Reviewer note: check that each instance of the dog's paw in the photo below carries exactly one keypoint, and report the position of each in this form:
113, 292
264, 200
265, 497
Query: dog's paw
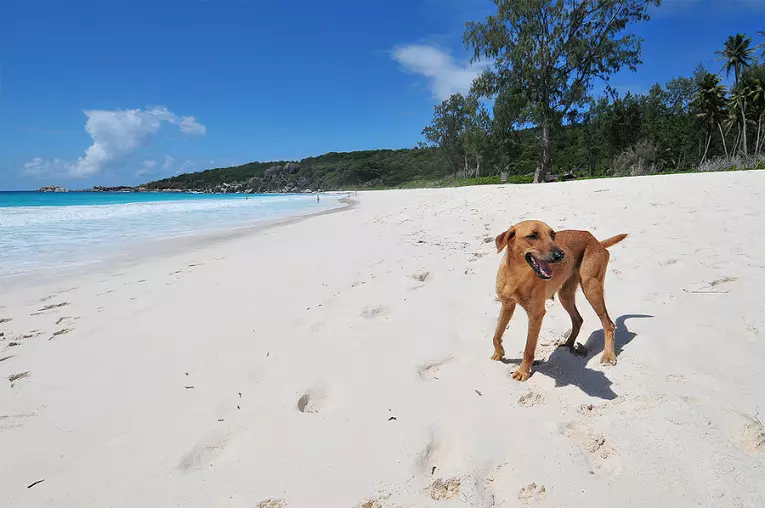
607, 359
521, 375
498, 355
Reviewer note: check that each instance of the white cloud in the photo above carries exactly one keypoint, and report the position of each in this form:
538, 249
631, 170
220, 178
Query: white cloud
147, 168
116, 135
169, 161
445, 76
40, 168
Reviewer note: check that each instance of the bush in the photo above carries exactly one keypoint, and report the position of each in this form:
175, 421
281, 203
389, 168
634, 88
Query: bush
733, 163
638, 160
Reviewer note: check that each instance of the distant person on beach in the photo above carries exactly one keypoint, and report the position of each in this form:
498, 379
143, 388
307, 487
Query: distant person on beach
317, 198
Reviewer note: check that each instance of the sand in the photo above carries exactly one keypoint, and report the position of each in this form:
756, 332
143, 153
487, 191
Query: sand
343, 360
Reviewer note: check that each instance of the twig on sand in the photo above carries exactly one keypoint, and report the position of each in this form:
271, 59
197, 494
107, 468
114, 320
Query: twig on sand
35, 483
702, 292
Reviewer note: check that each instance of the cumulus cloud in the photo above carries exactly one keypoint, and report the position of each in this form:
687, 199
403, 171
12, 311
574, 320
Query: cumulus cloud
445, 76
116, 135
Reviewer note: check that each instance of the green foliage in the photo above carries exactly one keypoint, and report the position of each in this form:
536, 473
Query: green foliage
549, 52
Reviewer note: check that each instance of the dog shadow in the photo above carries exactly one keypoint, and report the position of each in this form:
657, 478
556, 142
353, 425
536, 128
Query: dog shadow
569, 369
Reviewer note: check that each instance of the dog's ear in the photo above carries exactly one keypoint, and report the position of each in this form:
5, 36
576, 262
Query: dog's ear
502, 240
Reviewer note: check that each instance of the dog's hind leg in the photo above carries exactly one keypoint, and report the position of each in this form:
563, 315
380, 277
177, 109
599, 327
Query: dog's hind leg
593, 274
567, 297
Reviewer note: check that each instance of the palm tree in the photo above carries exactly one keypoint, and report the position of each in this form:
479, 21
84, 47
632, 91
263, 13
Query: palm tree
757, 103
737, 55
761, 45
710, 104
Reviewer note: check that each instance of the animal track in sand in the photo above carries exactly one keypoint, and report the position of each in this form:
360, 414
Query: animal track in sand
312, 401
371, 312
50, 307
421, 276
751, 436
17, 377
531, 399
532, 492
599, 455
374, 503
272, 503
430, 370
443, 490
30, 335
204, 453
14, 421
63, 331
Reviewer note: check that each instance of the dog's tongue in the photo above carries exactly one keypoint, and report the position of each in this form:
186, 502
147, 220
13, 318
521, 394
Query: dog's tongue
544, 267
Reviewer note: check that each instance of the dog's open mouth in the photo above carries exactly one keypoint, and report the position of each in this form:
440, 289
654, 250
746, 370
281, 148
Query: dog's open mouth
541, 268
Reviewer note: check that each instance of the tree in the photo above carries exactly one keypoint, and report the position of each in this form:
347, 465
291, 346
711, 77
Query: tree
551, 51
737, 55
710, 103
753, 86
456, 121
447, 130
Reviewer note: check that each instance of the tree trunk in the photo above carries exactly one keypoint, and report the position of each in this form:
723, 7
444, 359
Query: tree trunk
722, 136
743, 121
709, 140
477, 167
544, 168
757, 140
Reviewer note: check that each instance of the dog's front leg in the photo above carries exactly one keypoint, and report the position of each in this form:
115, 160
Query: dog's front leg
535, 324
504, 318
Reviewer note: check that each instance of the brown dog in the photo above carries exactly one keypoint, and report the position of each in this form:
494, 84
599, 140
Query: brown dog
540, 263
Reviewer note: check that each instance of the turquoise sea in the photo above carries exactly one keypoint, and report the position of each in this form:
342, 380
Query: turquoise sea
52, 230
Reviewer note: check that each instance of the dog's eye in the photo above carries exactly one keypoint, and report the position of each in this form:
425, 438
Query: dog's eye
533, 236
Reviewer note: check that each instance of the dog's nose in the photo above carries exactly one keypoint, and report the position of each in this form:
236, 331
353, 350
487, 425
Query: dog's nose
558, 255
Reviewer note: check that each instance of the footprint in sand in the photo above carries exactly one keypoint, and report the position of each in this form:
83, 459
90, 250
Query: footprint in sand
532, 492
422, 276
63, 331
50, 307
443, 490
312, 401
377, 502
676, 378
531, 399
272, 503
14, 421
745, 431
371, 312
599, 455
205, 453
430, 370
29, 335
14, 378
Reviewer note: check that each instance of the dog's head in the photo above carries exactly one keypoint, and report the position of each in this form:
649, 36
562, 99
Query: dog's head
534, 241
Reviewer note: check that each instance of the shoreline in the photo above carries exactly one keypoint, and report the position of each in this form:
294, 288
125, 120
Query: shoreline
344, 361
155, 248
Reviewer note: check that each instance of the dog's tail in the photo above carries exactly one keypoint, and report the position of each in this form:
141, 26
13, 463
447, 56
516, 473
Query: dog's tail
612, 241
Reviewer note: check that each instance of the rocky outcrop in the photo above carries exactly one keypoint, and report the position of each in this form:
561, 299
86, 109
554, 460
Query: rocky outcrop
52, 188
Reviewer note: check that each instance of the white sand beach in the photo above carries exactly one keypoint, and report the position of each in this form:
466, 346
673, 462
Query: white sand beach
343, 361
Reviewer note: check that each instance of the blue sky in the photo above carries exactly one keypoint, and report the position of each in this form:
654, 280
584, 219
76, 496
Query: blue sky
107, 92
